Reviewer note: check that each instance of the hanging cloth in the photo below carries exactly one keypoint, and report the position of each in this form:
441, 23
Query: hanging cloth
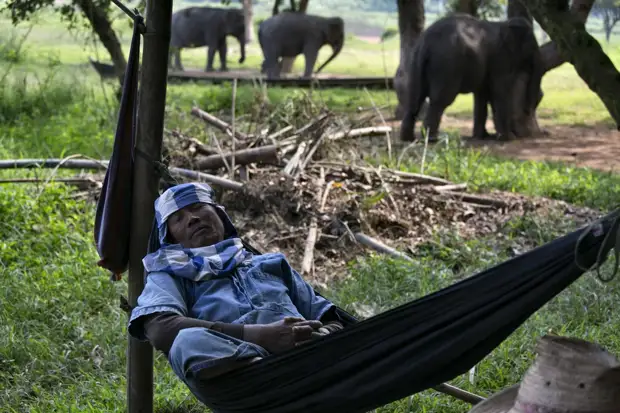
113, 215
417, 345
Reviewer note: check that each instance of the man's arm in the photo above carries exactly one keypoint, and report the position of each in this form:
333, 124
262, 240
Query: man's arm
311, 305
162, 312
162, 328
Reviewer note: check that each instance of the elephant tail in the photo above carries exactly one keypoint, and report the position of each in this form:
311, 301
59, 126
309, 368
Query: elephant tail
417, 91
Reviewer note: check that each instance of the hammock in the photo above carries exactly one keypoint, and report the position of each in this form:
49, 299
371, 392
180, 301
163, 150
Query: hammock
376, 361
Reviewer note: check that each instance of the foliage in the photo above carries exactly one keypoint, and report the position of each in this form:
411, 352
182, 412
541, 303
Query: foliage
388, 34
22, 10
487, 9
579, 186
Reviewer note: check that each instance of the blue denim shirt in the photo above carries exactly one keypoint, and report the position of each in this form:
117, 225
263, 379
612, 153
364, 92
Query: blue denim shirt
264, 291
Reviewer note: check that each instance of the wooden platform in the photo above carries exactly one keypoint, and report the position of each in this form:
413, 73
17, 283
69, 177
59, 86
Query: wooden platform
325, 81
248, 76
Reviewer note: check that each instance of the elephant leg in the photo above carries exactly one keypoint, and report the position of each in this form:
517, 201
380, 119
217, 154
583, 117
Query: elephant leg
442, 91
222, 51
502, 96
480, 115
311, 53
177, 59
210, 58
433, 119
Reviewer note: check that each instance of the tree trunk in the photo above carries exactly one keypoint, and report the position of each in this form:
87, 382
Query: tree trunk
286, 66
468, 7
100, 23
567, 31
249, 20
580, 9
607, 31
410, 26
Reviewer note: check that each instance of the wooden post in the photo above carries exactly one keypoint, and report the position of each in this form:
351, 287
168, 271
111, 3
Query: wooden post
152, 101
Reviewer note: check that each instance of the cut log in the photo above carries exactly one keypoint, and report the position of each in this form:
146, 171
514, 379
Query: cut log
218, 123
262, 154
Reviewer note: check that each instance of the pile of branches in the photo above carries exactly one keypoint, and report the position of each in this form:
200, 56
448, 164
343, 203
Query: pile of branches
289, 190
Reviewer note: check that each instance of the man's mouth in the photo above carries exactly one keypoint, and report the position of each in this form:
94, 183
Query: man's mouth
199, 230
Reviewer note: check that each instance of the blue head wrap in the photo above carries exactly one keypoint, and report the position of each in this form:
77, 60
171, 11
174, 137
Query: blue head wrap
182, 195
194, 263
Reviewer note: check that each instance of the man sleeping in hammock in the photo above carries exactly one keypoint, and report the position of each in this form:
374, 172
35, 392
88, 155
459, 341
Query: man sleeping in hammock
212, 306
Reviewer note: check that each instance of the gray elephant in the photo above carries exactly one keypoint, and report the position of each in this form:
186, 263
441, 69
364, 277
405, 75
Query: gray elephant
289, 34
462, 54
206, 26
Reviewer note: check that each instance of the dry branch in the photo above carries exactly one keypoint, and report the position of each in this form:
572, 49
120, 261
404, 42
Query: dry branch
355, 133
476, 199
379, 246
419, 178
39, 180
459, 393
53, 163
193, 144
306, 264
224, 183
453, 187
261, 154
295, 159
218, 123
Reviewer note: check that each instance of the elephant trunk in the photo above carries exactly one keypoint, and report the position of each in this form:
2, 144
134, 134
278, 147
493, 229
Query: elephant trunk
241, 39
336, 50
534, 92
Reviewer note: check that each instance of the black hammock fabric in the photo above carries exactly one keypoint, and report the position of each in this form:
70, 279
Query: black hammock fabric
417, 345
373, 362
113, 215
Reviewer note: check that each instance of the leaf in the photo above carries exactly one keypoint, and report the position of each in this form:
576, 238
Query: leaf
371, 201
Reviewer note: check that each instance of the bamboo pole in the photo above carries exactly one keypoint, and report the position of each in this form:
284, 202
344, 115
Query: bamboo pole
153, 82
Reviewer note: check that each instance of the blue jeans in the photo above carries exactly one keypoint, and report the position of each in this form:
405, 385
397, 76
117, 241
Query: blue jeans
197, 348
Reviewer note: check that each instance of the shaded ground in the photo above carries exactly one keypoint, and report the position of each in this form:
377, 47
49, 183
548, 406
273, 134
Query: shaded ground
595, 146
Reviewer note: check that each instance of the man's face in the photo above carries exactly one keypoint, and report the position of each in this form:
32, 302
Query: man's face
195, 226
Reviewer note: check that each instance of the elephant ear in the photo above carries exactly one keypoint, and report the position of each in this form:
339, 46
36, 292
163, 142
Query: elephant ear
518, 38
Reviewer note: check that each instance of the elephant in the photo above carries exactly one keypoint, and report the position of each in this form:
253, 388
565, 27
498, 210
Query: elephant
461, 54
206, 26
289, 34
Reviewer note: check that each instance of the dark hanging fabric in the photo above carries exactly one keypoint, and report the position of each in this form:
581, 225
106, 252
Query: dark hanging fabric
415, 346
113, 215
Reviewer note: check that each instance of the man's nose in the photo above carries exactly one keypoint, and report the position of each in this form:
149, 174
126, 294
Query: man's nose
192, 220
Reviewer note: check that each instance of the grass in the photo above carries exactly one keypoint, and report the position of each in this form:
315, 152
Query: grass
62, 335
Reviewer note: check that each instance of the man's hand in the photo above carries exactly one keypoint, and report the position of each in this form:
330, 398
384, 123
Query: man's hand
282, 335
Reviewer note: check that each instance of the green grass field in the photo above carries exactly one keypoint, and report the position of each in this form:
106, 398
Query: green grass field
62, 335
